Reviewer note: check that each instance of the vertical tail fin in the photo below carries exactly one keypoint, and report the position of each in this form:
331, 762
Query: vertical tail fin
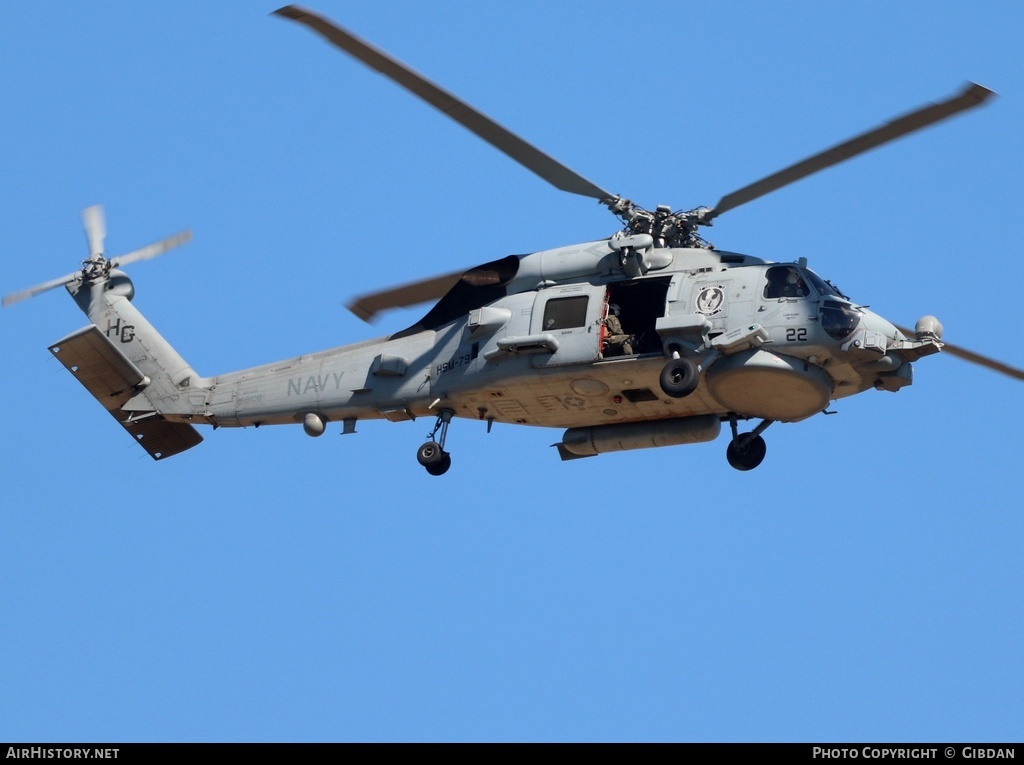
121, 359
131, 369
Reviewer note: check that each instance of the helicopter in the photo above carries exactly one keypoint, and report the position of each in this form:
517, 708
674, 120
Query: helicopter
648, 337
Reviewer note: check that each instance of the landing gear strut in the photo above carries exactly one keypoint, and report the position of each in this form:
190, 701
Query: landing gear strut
746, 450
432, 455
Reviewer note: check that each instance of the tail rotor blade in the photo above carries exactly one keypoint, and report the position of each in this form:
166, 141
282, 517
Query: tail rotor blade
17, 297
152, 250
95, 229
97, 267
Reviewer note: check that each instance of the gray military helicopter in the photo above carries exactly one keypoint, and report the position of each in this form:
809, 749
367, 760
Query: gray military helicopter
648, 337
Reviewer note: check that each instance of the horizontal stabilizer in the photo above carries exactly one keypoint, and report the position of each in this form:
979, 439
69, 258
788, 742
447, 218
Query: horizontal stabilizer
113, 379
106, 373
159, 437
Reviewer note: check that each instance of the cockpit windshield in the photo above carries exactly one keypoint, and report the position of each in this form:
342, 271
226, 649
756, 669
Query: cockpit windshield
839, 320
823, 287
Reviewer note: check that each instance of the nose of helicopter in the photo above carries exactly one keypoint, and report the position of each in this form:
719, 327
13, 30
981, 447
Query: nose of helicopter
872, 322
892, 369
927, 329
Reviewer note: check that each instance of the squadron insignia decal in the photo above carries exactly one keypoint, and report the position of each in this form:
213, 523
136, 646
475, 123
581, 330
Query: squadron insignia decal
711, 300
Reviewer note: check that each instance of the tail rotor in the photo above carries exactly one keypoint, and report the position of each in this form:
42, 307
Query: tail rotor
97, 266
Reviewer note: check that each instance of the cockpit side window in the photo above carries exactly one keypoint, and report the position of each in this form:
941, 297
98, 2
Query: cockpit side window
785, 282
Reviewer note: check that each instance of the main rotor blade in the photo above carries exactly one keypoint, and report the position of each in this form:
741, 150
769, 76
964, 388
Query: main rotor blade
548, 168
366, 307
17, 297
152, 250
974, 358
95, 229
972, 95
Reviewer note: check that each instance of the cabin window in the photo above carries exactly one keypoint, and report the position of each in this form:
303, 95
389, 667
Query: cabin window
785, 282
565, 313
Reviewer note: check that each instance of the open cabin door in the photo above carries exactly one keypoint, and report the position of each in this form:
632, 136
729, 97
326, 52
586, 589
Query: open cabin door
637, 304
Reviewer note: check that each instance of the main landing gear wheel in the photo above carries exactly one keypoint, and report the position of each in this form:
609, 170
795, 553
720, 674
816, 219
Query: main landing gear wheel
431, 455
679, 378
746, 453
442, 465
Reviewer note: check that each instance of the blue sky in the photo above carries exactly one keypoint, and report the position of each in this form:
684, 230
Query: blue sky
865, 583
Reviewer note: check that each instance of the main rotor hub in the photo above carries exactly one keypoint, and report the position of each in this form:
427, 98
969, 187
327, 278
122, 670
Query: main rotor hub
666, 228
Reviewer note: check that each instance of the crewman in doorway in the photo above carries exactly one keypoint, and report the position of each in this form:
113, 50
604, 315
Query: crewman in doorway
616, 341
